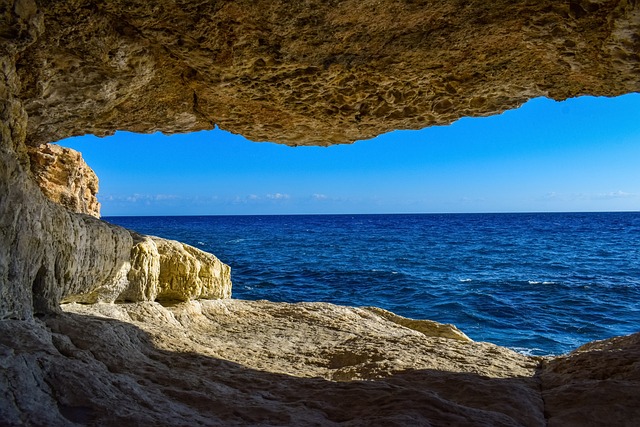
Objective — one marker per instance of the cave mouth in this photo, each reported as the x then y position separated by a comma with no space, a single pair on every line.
574,155
583,141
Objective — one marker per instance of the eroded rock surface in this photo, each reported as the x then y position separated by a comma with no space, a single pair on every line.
314,72
256,363
166,270
597,384
232,362
65,178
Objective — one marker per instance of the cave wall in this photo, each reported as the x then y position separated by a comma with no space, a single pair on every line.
50,254
312,72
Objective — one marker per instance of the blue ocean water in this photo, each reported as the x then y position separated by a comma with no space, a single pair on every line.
540,283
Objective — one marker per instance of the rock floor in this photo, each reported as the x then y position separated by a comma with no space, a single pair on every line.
233,362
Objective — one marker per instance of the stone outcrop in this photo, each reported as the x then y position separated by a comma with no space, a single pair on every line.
597,384
316,72
166,270
427,327
65,178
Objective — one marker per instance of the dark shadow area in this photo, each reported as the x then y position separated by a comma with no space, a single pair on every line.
598,384
38,293
99,371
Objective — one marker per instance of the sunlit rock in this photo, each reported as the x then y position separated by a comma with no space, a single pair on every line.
65,178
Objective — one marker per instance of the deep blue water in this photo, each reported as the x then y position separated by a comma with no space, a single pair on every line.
538,283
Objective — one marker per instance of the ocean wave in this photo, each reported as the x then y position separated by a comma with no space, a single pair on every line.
531,351
235,241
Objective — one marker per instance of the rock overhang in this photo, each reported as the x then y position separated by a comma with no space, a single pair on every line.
317,73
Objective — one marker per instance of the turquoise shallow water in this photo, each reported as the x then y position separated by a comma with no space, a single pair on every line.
538,283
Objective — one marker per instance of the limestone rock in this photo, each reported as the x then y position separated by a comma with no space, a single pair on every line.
167,270
316,72
597,384
65,178
188,273
427,327
231,362
47,253
144,271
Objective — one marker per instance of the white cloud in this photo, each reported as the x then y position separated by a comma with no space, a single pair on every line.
317,196
165,197
278,196
137,197
570,197
614,195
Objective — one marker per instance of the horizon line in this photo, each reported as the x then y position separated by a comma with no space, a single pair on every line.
379,213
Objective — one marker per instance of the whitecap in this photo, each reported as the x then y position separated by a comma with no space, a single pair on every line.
529,351
235,241
465,280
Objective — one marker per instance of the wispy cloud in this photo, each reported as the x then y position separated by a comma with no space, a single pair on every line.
319,197
255,198
166,197
614,195
570,197
137,197
278,196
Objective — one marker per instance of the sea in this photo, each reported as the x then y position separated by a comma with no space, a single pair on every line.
539,283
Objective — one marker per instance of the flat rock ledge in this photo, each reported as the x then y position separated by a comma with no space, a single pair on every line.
234,362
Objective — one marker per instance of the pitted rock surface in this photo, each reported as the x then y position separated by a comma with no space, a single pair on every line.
315,72
65,178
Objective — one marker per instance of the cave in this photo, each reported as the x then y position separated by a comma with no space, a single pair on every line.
308,73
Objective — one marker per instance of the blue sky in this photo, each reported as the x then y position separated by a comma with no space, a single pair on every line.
582,154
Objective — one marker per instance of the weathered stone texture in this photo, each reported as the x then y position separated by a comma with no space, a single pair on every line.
166,270
427,327
315,72
231,362
255,363
49,254
65,178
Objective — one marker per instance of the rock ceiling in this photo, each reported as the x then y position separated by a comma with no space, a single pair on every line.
311,72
